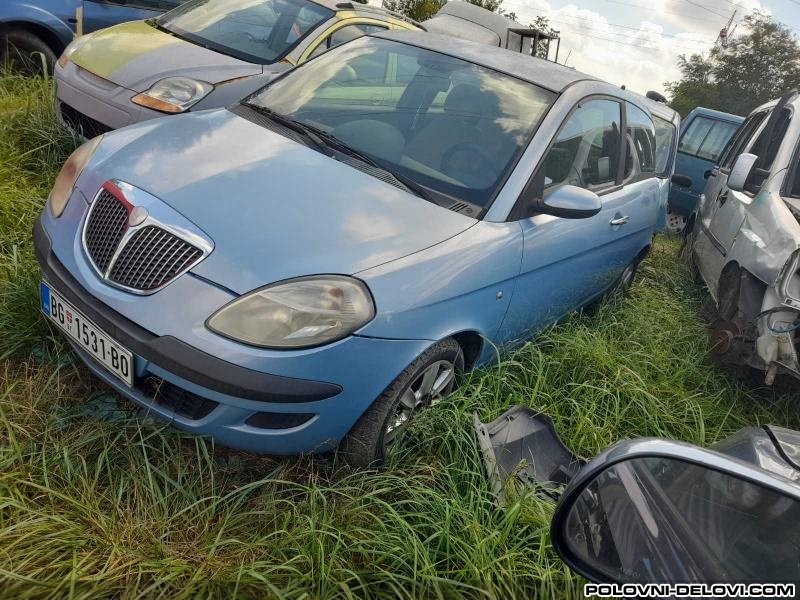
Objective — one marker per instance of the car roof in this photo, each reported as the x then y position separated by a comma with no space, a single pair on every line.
715,114
659,109
544,73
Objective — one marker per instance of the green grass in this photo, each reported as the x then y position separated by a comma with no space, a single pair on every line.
98,501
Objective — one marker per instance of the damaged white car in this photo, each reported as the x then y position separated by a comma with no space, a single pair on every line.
744,240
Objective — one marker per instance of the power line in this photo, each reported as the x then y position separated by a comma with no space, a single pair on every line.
615,41
713,12
622,26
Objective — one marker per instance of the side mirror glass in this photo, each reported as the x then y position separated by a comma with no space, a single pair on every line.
571,202
682,180
656,511
741,172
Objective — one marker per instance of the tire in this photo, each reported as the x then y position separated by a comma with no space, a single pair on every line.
618,289
365,444
23,52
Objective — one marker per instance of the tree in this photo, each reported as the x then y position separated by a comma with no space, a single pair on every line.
542,24
755,68
420,10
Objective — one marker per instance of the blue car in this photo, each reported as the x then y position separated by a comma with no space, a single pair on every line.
45,27
306,269
703,136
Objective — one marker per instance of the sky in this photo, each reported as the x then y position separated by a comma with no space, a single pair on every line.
637,42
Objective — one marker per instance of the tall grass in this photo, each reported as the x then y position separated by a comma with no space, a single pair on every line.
99,501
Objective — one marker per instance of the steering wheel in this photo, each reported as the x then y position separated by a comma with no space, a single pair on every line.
464,148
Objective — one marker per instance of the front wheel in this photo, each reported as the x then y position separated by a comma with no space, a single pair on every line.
26,53
426,381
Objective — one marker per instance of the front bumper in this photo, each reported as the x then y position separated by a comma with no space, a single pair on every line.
95,104
208,395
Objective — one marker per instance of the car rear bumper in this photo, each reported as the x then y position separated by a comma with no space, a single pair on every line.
240,407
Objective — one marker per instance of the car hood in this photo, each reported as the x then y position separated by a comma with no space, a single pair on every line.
135,55
273,207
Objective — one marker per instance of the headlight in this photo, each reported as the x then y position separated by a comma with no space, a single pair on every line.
299,313
174,94
65,182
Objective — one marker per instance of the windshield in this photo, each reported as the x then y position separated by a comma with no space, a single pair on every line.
447,124
665,144
259,31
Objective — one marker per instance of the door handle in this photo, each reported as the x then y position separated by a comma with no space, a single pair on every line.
619,221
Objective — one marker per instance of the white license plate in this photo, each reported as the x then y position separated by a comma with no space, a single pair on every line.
89,336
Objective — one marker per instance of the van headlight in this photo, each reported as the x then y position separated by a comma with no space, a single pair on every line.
68,176
298,313
174,94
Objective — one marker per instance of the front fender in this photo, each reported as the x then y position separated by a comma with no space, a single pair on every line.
462,284
768,237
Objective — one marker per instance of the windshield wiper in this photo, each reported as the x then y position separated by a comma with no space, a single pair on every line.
324,141
307,132
345,148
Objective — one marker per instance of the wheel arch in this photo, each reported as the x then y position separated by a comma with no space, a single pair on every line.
472,344
43,32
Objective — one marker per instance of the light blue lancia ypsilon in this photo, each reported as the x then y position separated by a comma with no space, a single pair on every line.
304,270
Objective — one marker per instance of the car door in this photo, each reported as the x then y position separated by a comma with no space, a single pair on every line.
98,14
729,207
567,262
702,141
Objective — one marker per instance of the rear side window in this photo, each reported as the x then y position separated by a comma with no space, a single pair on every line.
665,144
640,161
706,138
586,151
739,142
766,148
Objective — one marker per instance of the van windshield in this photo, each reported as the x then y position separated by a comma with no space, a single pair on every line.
452,126
258,31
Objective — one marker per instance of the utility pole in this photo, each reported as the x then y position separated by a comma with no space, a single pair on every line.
726,33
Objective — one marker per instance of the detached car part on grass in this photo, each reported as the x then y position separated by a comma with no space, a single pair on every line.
305,270
744,241
660,511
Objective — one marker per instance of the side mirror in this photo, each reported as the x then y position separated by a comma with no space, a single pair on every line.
656,511
682,180
741,171
571,202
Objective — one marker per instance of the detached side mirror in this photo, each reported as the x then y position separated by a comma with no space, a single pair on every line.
741,171
682,180
657,511
571,202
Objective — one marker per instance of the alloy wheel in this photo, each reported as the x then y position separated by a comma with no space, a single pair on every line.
431,386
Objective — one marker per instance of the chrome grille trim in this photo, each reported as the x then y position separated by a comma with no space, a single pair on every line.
106,225
151,258
143,258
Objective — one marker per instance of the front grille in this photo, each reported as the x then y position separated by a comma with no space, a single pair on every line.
82,123
141,259
183,403
151,258
107,223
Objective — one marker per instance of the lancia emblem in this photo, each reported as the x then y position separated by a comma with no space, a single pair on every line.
137,217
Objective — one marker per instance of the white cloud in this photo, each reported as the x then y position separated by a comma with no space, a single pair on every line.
641,55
